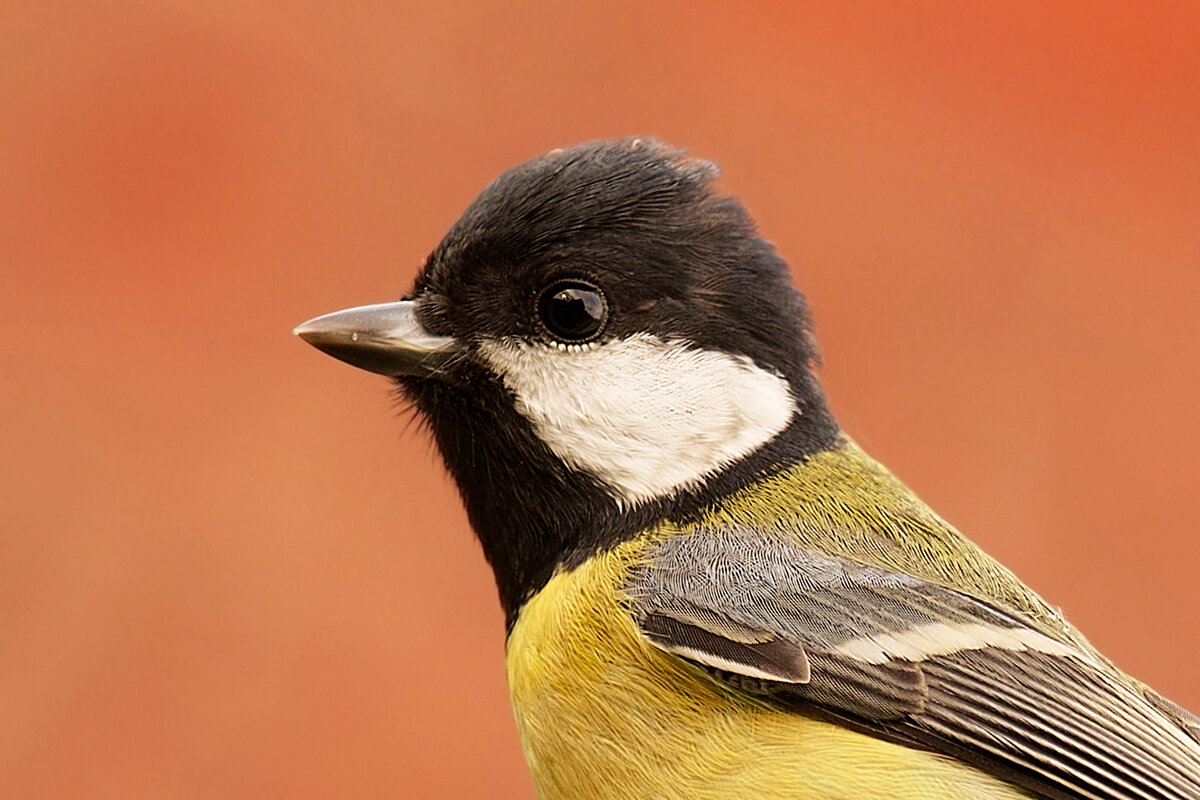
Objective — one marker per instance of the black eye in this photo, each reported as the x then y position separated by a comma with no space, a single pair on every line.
572,311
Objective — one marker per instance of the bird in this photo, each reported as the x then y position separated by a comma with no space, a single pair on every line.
710,589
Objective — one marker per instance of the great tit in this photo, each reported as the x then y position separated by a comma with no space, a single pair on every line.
711,592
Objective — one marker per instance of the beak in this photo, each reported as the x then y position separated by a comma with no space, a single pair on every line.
384,338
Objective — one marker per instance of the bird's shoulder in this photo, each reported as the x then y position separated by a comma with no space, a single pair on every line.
832,589
842,503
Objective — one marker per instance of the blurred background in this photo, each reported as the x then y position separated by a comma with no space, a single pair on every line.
226,570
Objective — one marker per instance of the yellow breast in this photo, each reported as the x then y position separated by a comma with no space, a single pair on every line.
603,715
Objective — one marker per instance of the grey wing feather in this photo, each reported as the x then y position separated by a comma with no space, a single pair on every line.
724,645
1186,719
915,662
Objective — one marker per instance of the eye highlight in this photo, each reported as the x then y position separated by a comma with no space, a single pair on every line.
572,311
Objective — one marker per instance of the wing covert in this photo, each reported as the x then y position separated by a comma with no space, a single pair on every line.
912,661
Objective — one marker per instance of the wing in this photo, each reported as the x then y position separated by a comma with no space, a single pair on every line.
914,662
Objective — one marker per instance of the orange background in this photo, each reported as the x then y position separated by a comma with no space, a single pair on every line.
228,572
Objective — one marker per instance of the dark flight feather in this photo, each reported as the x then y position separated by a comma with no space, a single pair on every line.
767,656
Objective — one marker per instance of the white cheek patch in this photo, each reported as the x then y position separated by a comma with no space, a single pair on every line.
645,416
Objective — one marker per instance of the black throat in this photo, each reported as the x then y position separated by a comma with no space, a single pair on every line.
533,515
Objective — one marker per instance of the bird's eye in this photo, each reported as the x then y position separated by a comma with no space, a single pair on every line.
572,311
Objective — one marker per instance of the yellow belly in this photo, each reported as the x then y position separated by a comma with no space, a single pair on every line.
603,715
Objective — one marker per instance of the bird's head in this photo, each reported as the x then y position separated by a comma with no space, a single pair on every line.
602,340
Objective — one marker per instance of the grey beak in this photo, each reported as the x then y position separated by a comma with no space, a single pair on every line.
384,338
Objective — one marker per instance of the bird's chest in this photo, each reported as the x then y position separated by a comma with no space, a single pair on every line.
601,713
